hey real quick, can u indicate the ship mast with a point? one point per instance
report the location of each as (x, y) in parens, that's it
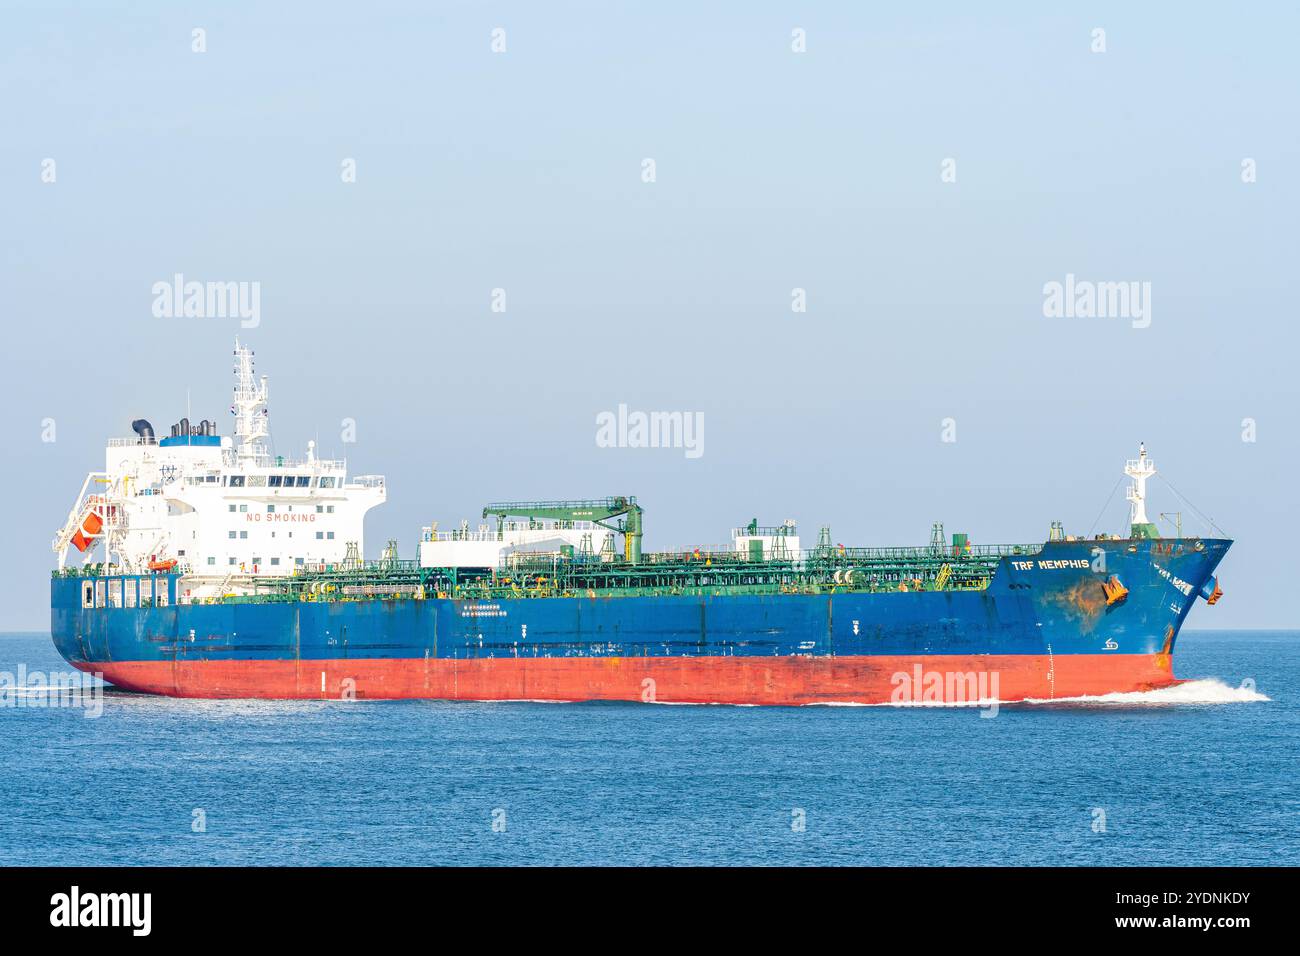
(249, 408)
(1140, 469)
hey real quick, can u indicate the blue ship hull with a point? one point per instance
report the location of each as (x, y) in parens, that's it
(1044, 625)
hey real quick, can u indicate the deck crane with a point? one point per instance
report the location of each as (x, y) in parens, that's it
(599, 511)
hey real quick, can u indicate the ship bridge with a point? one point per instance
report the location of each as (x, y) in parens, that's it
(216, 506)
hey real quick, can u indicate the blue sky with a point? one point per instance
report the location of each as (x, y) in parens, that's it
(775, 170)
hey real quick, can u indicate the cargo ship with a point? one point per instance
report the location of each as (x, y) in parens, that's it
(209, 567)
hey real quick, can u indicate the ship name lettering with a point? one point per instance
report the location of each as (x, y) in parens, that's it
(1177, 582)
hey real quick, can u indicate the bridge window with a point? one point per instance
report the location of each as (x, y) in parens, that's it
(274, 481)
(327, 482)
(236, 481)
(304, 481)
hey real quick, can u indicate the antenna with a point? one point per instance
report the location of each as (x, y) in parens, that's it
(249, 406)
(1139, 469)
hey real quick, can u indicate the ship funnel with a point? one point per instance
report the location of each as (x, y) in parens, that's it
(144, 430)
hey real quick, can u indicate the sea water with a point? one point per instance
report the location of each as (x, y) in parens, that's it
(1202, 773)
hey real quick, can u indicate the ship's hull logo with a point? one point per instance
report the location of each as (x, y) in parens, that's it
(1111, 645)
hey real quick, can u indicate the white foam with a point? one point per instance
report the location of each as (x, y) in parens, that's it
(982, 702)
(32, 693)
(696, 703)
(1209, 690)
(506, 700)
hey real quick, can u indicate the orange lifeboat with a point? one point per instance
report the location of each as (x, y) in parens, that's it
(91, 525)
(162, 565)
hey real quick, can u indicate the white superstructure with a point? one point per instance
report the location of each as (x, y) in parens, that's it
(486, 547)
(779, 543)
(222, 508)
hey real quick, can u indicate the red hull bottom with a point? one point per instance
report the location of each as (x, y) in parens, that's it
(709, 680)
